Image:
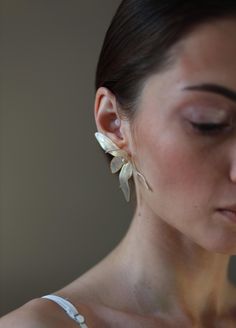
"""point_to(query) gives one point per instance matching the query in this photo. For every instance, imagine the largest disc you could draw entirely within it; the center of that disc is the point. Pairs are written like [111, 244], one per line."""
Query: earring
[122, 162]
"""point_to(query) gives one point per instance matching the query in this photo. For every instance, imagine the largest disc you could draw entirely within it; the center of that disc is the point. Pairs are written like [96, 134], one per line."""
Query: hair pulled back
[140, 38]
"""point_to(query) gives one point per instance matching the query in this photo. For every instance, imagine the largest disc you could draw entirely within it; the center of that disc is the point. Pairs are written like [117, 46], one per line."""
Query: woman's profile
[165, 111]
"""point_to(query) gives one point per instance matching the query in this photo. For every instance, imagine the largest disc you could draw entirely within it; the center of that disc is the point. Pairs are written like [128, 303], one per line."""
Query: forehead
[207, 54]
[209, 49]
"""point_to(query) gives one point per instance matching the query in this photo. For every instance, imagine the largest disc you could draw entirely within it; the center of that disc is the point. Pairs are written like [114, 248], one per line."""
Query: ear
[108, 120]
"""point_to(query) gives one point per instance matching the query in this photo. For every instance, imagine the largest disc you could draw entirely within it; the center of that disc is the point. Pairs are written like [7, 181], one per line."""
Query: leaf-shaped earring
[122, 162]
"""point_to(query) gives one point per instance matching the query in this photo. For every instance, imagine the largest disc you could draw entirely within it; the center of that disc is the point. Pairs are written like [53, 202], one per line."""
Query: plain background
[61, 208]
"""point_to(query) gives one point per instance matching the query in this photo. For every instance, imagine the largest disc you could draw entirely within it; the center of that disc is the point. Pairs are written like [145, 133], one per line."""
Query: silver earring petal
[122, 162]
[116, 164]
[143, 179]
[124, 176]
[118, 153]
[109, 146]
[106, 143]
[135, 171]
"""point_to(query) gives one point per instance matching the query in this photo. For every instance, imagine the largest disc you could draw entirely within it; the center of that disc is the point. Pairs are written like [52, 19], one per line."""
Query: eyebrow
[214, 88]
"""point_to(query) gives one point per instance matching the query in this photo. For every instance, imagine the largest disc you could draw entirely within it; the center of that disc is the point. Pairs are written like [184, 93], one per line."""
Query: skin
[170, 269]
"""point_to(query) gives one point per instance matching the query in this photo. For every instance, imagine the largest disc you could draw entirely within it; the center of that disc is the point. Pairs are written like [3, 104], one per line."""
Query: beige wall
[61, 209]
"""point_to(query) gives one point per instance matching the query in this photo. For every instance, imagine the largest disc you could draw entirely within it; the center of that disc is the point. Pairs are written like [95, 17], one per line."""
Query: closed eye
[209, 128]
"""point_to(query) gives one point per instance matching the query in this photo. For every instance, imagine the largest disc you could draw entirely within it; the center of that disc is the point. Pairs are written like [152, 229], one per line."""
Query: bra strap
[69, 308]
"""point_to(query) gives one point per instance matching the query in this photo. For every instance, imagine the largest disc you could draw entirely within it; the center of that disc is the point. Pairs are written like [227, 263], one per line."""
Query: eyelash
[209, 128]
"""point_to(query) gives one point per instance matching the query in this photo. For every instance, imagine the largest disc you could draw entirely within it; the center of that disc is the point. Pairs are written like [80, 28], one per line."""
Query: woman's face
[191, 168]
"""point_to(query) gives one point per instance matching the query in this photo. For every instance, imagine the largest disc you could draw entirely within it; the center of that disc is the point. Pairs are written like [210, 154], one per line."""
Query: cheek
[174, 170]
[170, 166]
[176, 173]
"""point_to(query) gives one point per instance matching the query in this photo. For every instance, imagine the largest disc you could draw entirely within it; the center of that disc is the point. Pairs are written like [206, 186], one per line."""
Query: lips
[229, 213]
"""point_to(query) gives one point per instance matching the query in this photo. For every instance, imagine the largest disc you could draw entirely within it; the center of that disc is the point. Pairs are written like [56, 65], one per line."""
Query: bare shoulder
[29, 315]
[41, 313]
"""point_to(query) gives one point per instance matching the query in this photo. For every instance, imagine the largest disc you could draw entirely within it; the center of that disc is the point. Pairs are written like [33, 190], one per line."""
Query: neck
[170, 273]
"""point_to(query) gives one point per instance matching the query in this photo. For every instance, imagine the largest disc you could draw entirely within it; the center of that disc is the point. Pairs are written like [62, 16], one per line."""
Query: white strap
[69, 308]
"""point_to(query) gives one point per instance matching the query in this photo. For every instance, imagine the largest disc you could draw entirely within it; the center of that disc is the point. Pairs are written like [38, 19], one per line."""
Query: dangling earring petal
[143, 179]
[126, 173]
[122, 162]
[135, 171]
[116, 164]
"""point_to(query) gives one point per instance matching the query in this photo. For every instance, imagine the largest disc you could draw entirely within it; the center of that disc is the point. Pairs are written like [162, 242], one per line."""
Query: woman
[165, 111]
